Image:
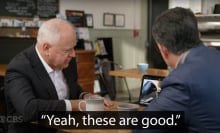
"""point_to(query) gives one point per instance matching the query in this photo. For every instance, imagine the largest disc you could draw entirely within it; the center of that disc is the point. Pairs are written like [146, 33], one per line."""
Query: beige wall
[128, 50]
[130, 8]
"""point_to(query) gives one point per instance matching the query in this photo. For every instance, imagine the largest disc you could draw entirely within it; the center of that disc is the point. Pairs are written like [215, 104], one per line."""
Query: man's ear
[46, 46]
[45, 49]
[163, 50]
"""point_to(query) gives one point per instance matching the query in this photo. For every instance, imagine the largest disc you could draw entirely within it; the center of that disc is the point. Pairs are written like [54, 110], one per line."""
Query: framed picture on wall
[89, 20]
[119, 20]
[108, 19]
[76, 17]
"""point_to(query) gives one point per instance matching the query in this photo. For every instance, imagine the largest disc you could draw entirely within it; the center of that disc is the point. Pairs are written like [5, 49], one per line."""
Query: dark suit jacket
[194, 87]
[29, 89]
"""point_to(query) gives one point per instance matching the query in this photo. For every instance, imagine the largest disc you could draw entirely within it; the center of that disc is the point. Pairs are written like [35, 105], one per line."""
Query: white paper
[97, 86]
[83, 33]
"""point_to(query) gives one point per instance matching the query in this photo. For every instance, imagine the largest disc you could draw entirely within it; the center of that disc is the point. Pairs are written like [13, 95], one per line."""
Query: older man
[44, 76]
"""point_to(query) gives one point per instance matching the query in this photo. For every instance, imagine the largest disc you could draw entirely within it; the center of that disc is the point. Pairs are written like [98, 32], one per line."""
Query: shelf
[13, 27]
[208, 17]
[17, 37]
[18, 32]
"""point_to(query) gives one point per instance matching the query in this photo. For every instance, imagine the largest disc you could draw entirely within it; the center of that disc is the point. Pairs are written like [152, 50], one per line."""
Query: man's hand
[108, 104]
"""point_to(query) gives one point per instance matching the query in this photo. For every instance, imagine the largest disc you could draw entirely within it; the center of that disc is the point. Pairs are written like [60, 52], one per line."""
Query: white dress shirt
[59, 82]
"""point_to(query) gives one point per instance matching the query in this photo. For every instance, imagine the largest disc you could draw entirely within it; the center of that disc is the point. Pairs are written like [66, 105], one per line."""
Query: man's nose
[72, 53]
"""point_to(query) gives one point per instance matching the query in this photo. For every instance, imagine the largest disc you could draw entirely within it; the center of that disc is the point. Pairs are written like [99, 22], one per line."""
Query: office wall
[128, 50]
[130, 8]
[197, 6]
[208, 6]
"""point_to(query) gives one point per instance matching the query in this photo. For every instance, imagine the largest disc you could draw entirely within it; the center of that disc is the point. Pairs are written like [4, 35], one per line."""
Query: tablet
[149, 88]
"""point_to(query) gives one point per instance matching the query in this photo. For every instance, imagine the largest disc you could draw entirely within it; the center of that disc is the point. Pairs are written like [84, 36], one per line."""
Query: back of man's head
[177, 30]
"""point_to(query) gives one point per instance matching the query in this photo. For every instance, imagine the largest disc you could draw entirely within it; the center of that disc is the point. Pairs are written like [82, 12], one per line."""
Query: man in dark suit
[43, 77]
[193, 86]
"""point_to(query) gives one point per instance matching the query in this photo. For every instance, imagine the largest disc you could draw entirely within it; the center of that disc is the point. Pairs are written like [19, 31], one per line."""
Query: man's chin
[65, 66]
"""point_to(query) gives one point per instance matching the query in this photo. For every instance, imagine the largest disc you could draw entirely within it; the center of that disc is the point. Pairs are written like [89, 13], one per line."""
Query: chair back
[108, 82]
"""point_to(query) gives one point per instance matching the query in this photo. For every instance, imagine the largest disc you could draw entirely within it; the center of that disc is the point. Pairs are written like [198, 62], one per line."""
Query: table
[98, 131]
[135, 73]
[3, 68]
[114, 108]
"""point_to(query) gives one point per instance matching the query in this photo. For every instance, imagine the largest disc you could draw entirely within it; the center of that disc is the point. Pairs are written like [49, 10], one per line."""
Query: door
[154, 58]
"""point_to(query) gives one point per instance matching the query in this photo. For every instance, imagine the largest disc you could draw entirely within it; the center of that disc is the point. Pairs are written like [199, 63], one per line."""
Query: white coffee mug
[93, 103]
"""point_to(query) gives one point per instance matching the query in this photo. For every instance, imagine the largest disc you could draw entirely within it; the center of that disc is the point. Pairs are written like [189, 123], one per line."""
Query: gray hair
[50, 31]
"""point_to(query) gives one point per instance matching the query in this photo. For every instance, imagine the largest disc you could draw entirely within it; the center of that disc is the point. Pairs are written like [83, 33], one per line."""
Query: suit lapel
[71, 76]
[42, 74]
[69, 82]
